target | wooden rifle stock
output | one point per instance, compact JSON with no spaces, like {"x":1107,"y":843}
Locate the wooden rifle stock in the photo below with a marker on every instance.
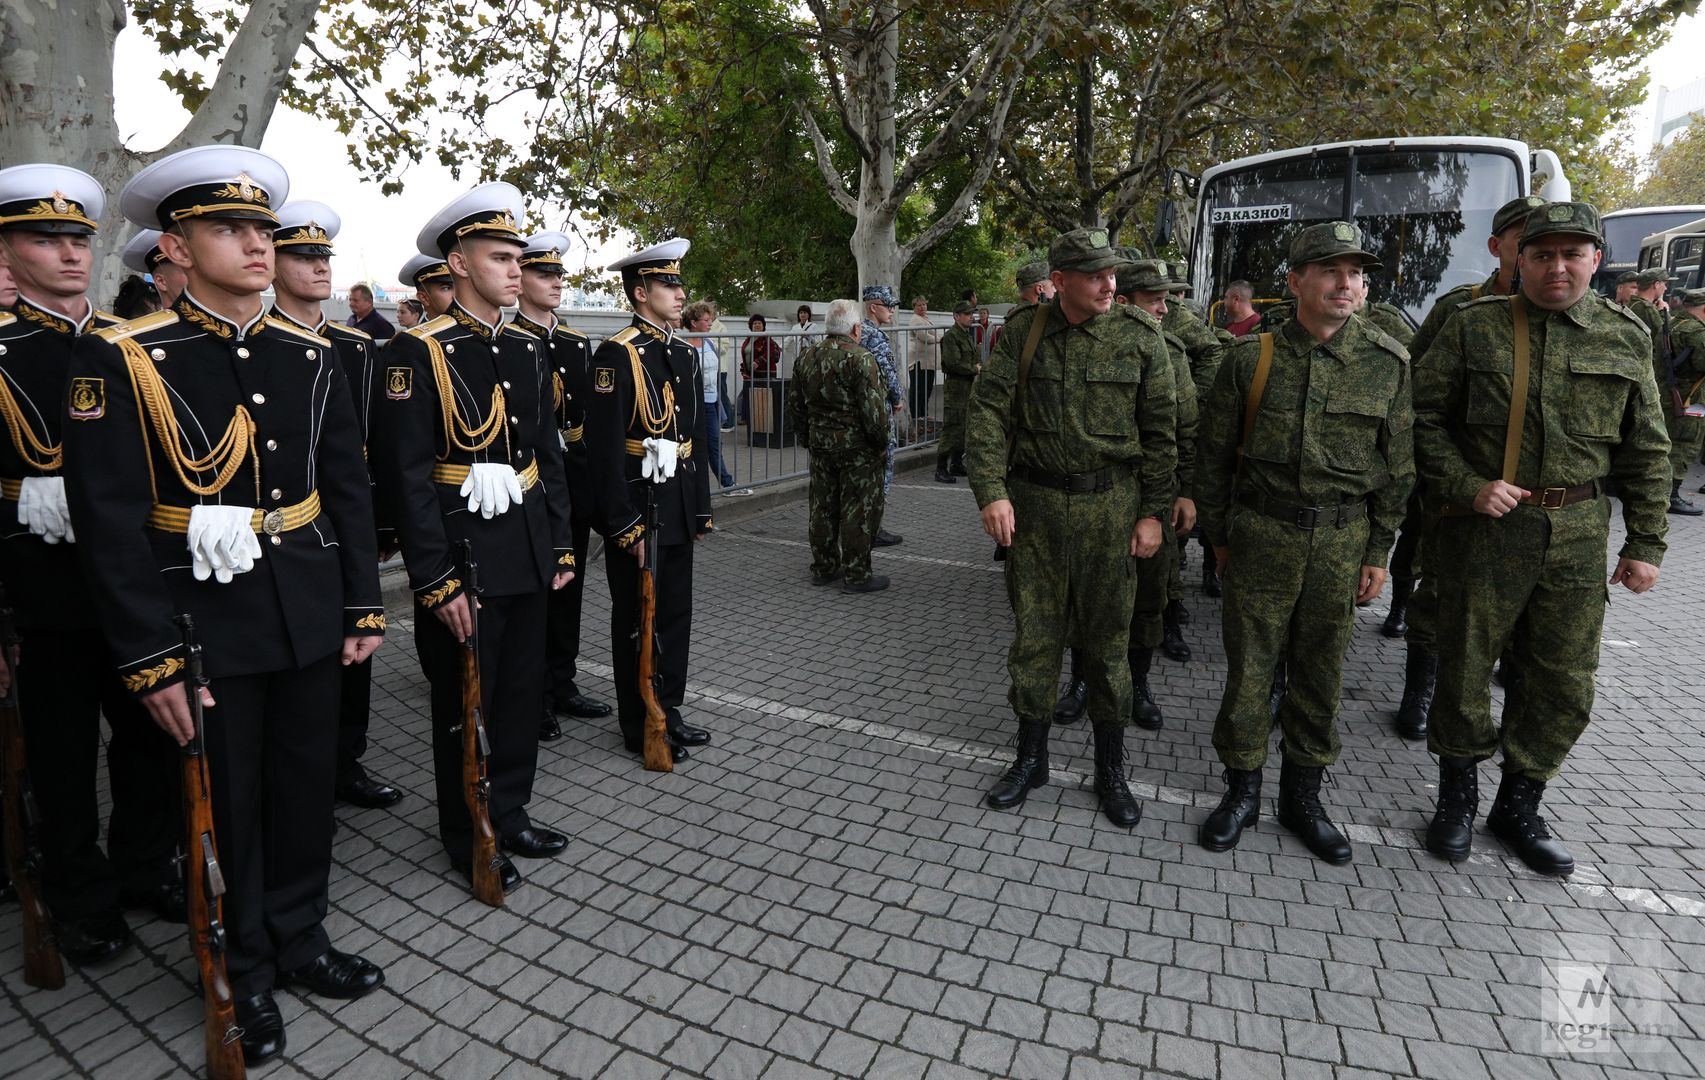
{"x":43,"y":968}
{"x":476,"y":783}
{"x":204,"y":882}
{"x":657,"y":754}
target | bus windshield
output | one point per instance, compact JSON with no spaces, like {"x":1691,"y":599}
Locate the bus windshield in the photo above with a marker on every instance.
{"x":1426,"y":213}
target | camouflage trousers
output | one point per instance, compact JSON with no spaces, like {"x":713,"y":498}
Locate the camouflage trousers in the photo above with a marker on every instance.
{"x":1290,"y":595}
{"x":1686,"y":438}
{"x":1072,"y":582}
{"x":954,"y":403}
{"x":1532,"y":582}
{"x":845,"y":510}
{"x":1154,"y":578}
{"x":1175,"y":578}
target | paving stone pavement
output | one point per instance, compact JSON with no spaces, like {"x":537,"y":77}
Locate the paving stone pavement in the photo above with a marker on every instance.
{"x":821,"y":893}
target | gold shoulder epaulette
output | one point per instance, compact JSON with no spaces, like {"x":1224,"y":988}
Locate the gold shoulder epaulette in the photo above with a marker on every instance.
{"x":624,"y":335}
{"x":431,"y":327}
{"x":103,"y":318}
{"x":151,"y":321}
{"x":528,"y":334}
{"x":571,"y":332}
{"x":296,"y":331}
{"x":7,"y":318}
{"x":348,"y":330}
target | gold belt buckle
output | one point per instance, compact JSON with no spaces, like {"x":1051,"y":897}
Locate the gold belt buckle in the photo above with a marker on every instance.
{"x":1552,"y":498}
{"x":272,"y":523}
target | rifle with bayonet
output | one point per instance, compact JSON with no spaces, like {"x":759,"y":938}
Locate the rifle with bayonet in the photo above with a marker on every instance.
{"x":476,"y":750}
{"x":658,"y":757}
{"x":43,"y":968}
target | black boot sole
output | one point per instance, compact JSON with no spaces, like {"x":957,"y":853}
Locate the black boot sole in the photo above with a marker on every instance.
{"x":1107,"y":812}
{"x":1513,"y":844}
{"x":1454,"y":855}
{"x":1332,"y":859}
{"x":1035,"y":782}
{"x":1249,"y":822}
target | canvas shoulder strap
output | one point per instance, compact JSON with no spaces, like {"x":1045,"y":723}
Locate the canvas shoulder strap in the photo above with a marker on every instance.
{"x":1257,"y":390}
{"x":1518,"y":389}
{"x":1032,"y":340}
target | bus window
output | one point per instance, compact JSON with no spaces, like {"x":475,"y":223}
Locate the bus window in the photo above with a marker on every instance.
{"x":1253,"y":212}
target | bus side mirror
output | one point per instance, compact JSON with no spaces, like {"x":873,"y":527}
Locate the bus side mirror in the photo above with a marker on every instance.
{"x":1165,"y":220}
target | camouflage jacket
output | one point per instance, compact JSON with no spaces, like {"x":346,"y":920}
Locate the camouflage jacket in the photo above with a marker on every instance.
{"x":1335,"y":425}
{"x":1201,"y":344}
{"x":959,"y":355}
{"x":873,"y":339}
{"x":1188,"y":414}
{"x":1687,"y":332}
{"x":1099,"y":394}
{"x":1389,"y":317}
{"x":1443,"y":308}
{"x":836,"y":398}
{"x":1592,"y":410}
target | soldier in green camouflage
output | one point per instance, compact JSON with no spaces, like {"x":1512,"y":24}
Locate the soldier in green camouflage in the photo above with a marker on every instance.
{"x":838,"y":402}
{"x":1687,"y":338}
{"x":1412,"y":597}
{"x":1626,"y":283}
{"x":1518,"y":550}
{"x":1073,"y":463}
{"x":1301,"y":510}
{"x":1205,"y":350}
{"x":960,"y":362}
{"x":1649,"y":304}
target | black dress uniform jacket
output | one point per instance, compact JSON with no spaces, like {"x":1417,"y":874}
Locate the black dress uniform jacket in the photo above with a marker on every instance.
{"x":451,"y":384}
{"x":565,"y":357}
{"x":175,"y":398}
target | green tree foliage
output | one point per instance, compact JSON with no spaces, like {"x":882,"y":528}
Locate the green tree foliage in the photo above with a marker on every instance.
{"x":1675,"y":174}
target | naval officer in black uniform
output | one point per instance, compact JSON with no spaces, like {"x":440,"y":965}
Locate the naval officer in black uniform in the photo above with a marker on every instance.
{"x":430,"y":276}
{"x":641,"y":413}
{"x":466,"y":448}
{"x":66,"y":677}
{"x":565,"y":356}
{"x":144,"y":256}
{"x":213,"y":466}
{"x":303,"y":242}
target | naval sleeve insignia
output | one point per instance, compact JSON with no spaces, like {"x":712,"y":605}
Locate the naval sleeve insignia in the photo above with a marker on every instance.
{"x":398,"y":383}
{"x":605,"y":380}
{"x":88,"y":398}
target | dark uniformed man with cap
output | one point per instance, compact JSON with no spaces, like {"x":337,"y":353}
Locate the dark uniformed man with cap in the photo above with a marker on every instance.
{"x":1525,"y":405}
{"x":1072,"y":454}
{"x":879,"y":307}
{"x":144,"y":256}
{"x":1306,"y":463}
{"x":960,"y":362}
{"x":646,"y":393}
{"x":48,"y":216}
{"x":1205,"y":352}
{"x":1626,"y":283}
{"x":1412,"y":596}
{"x":213,"y":466}
{"x":1687,"y":338}
{"x":1649,"y":304}
{"x":1034,"y":285}
{"x":432,"y":282}
{"x":466,"y":450}
{"x":303,"y":279}
{"x":565,"y":355}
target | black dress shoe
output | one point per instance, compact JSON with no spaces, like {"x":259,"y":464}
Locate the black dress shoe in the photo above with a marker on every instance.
{"x":336,"y":974}
{"x":508,"y":875}
{"x":94,"y":940}
{"x":549,"y":729}
{"x":580,"y":706}
{"x":677,"y":752}
{"x":368,"y":793}
{"x":884,"y":538}
{"x":263,"y":1028}
{"x":535,"y":842}
{"x":165,"y":900}
{"x":685,"y":734}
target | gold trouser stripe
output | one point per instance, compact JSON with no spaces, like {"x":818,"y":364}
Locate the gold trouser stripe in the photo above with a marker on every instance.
{"x":636,"y":448}
{"x":175,"y":519}
{"x":444,"y":473}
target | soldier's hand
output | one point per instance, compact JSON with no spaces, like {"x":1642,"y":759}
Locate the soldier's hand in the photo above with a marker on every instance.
{"x":1634,"y":575}
{"x":1146,"y":538}
{"x":458,"y":616}
{"x":1183,"y":514}
{"x":1222,"y":558}
{"x":357,"y":649}
{"x":1369,"y":584}
{"x":1498,"y":498}
{"x":561,"y":579}
{"x":998,"y":522}
{"x":169,"y":708}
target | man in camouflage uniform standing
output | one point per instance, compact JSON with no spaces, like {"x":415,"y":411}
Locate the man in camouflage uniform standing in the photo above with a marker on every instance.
{"x":1649,"y":304}
{"x":879,"y":302}
{"x":840,"y":410}
{"x":1072,"y":459}
{"x":960,"y":362}
{"x":1205,"y":352}
{"x":1687,"y":337}
{"x":1523,"y":521}
{"x":1302,"y":507}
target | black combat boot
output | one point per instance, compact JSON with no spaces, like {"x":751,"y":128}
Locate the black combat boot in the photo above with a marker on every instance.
{"x":942,"y":476}
{"x":1144,"y":712}
{"x":1681,"y":504}
{"x":1029,"y":767}
{"x":1420,"y":674}
{"x":1182,"y":612}
{"x":957,"y":465}
{"x":1239,"y":809}
{"x":1299,"y":810}
{"x":1276,"y":696}
{"x":1515,"y":820}
{"x":1117,"y":802}
{"x":1210,"y":573}
{"x":1451,"y":832}
{"x":1397,"y":620}
{"x":1173,"y":644}
{"x":1069,"y":709}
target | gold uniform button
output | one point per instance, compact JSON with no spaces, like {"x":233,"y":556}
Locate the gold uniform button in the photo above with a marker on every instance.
{"x":242,"y":354}
{"x":259,"y":399}
{"x":278,"y":493}
{"x":272,"y":444}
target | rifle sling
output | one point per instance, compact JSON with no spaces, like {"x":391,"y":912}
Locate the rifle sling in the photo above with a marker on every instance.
{"x":1032,"y":340}
{"x":1518,"y":388}
{"x":1257,"y":390}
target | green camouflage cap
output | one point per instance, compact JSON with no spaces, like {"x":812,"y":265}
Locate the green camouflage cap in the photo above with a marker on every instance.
{"x":964,"y":307}
{"x":1031,"y":273}
{"x":1143,"y":276}
{"x":1563,"y":218}
{"x":1648,"y":278}
{"x":1180,"y":274}
{"x":1628,"y":277}
{"x":1693,"y":298}
{"x":1514,"y":212}
{"x":1330,"y":240}
{"x":1086,"y":250}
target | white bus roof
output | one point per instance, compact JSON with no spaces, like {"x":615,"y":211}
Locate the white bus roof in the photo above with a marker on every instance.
{"x":1684,"y":229}
{"x":1466,"y":142}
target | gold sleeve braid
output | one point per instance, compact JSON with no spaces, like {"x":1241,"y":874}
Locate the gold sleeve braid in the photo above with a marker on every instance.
{"x":457,"y":434}
{"x":36,"y":453}
{"x":223,"y":460}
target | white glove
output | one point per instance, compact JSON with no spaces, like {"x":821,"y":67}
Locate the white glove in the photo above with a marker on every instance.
{"x":42,"y":509}
{"x":659,"y":464}
{"x":491,"y":488}
{"x":222,"y":542}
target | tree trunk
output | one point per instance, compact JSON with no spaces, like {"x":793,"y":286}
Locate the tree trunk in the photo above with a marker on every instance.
{"x":875,"y":245}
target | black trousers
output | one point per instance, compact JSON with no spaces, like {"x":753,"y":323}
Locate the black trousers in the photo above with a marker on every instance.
{"x":562,"y":623}
{"x":272,"y":761}
{"x":354,"y":701}
{"x":66,"y":681}
{"x":674,"y":630}
{"x":512,"y":686}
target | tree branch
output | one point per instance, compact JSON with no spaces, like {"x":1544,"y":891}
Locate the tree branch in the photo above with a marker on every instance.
{"x":825,"y":160}
{"x":251,"y":76}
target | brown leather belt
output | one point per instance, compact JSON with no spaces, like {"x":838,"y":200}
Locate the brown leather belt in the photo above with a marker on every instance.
{"x":1551,"y":498}
{"x":1335,"y":516}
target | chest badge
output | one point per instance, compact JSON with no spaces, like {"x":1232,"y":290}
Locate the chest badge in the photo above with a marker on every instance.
{"x":604,"y":380}
{"x":88,"y":398}
{"x":398,"y":383}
